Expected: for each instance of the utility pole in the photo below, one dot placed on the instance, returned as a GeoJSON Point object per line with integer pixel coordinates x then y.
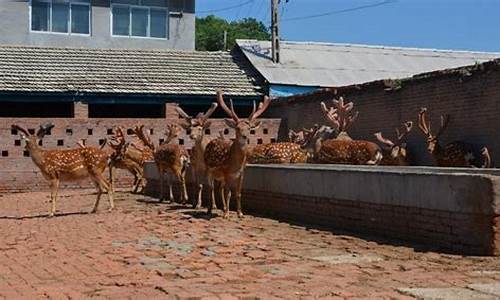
{"type": "Point", "coordinates": [275, 38]}
{"type": "Point", "coordinates": [225, 40]}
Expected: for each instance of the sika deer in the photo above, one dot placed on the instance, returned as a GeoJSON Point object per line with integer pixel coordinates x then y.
{"type": "Point", "coordinates": [226, 160]}
{"type": "Point", "coordinates": [123, 157]}
{"type": "Point", "coordinates": [395, 153]}
{"type": "Point", "coordinates": [175, 158]}
{"type": "Point", "coordinates": [67, 165]}
{"type": "Point", "coordinates": [454, 154]}
{"type": "Point", "coordinates": [196, 127]}
{"type": "Point", "coordinates": [342, 149]}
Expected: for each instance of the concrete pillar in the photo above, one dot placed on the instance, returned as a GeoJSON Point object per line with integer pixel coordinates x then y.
{"type": "Point", "coordinates": [81, 110]}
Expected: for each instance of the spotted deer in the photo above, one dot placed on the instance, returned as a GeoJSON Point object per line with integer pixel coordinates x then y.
{"type": "Point", "coordinates": [454, 154]}
{"type": "Point", "coordinates": [343, 149]}
{"type": "Point", "coordinates": [127, 158]}
{"type": "Point", "coordinates": [277, 153]}
{"type": "Point", "coordinates": [395, 153]}
{"type": "Point", "coordinates": [67, 165]}
{"type": "Point", "coordinates": [226, 160]}
{"type": "Point", "coordinates": [196, 128]}
{"type": "Point", "coordinates": [175, 158]}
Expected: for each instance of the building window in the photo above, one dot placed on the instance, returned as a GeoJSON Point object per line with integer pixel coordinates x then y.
{"type": "Point", "coordinates": [140, 18]}
{"type": "Point", "coordinates": [61, 16]}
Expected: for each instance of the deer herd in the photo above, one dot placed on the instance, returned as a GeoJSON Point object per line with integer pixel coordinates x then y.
{"type": "Point", "coordinates": [222, 160]}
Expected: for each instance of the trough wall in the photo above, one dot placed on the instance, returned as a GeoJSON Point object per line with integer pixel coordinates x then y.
{"type": "Point", "coordinates": [456, 212]}
{"type": "Point", "coordinates": [470, 95]}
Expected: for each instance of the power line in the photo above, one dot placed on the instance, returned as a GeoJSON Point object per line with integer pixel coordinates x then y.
{"type": "Point", "coordinates": [226, 8]}
{"type": "Point", "coordinates": [340, 11]}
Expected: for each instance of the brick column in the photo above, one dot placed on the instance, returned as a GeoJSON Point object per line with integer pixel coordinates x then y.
{"type": "Point", "coordinates": [81, 110]}
{"type": "Point", "coordinates": [170, 112]}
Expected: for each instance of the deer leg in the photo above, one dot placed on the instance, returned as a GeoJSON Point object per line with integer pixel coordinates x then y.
{"type": "Point", "coordinates": [199, 186]}
{"type": "Point", "coordinates": [111, 177]}
{"type": "Point", "coordinates": [212, 194]}
{"type": "Point", "coordinates": [224, 203]}
{"type": "Point", "coordinates": [182, 179]}
{"type": "Point", "coordinates": [162, 188]}
{"type": "Point", "coordinates": [108, 187]}
{"type": "Point", "coordinates": [99, 193]}
{"type": "Point", "coordinates": [54, 187]}
{"type": "Point", "coordinates": [239, 184]}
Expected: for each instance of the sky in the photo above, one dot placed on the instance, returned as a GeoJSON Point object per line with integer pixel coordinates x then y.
{"type": "Point", "coordinates": [440, 24]}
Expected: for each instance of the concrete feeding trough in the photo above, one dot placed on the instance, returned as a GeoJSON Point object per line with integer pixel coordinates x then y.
{"type": "Point", "coordinates": [452, 209]}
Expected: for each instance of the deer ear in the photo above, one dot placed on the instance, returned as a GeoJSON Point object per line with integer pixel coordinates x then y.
{"type": "Point", "coordinates": [207, 124]}
{"type": "Point", "coordinates": [395, 151]}
{"type": "Point", "coordinates": [184, 124]}
{"type": "Point", "coordinates": [231, 123]}
{"type": "Point", "coordinates": [256, 124]}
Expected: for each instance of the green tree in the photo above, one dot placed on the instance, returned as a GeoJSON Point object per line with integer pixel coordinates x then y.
{"type": "Point", "coordinates": [210, 32]}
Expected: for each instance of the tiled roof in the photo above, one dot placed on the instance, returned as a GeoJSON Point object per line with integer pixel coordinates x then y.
{"type": "Point", "coordinates": [169, 72]}
{"type": "Point", "coordinates": [336, 65]}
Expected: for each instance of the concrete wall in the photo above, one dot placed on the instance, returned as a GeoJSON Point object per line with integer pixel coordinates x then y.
{"type": "Point", "coordinates": [15, 28]}
{"type": "Point", "coordinates": [455, 212]}
{"type": "Point", "coordinates": [18, 173]}
{"type": "Point", "coordinates": [471, 96]}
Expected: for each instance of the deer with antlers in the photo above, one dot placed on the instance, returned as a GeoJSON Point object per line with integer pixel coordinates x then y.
{"type": "Point", "coordinates": [226, 160]}
{"type": "Point", "coordinates": [454, 154]}
{"type": "Point", "coordinates": [395, 153]}
{"type": "Point", "coordinates": [130, 157]}
{"type": "Point", "coordinates": [196, 128]}
{"type": "Point", "coordinates": [175, 158]}
{"type": "Point", "coordinates": [343, 149]}
{"type": "Point", "coordinates": [67, 165]}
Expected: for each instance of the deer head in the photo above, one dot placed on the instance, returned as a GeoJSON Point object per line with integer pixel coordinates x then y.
{"type": "Point", "coordinates": [243, 126]}
{"type": "Point", "coordinates": [296, 137]}
{"type": "Point", "coordinates": [425, 127]}
{"type": "Point", "coordinates": [31, 139]}
{"type": "Point", "coordinates": [196, 126]}
{"type": "Point", "coordinates": [340, 116]}
{"type": "Point", "coordinates": [398, 148]}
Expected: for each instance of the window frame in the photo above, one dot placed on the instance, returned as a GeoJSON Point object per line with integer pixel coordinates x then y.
{"type": "Point", "coordinates": [70, 18]}
{"type": "Point", "coordinates": [148, 29]}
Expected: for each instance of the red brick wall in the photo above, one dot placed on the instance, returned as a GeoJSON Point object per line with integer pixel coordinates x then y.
{"type": "Point", "coordinates": [18, 173]}
{"type": "Point", "coordinates": [472, 101]}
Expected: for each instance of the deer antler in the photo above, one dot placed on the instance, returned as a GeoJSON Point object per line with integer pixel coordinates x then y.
{"type": "Point", "coordinates": [407, 128]}
{"type": "Point", "coordinates": [346, 119]}
{"type": "Point", "coordinates": [424, 126]}
{"type": "Point", "coordinates": [229, 112]}
{"type": "Point", "coordinates": [383, 140]}
{"type": "Point", "coordinates": [44, 129]}
{"type": "Point", "coordinates": [172, 132]}
{"type": "Point", "coordinates": [340, 115]}
{"type": "Point", "coordinates": [144, 137]}
{"type": "Point", "coordinates": [262, 108]}
{"type": "Point", "coordinates": [210, 111]}
{"type": "Point", "coordinates": [331, 115]}
{"type": "Point", "coordinates": [22, 129]}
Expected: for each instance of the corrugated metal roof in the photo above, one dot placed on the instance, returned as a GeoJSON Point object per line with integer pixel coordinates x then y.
{"type": "Point", "coordinates": [334, 65]}
{"type": "Point", "coordinates": [40, 69]}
